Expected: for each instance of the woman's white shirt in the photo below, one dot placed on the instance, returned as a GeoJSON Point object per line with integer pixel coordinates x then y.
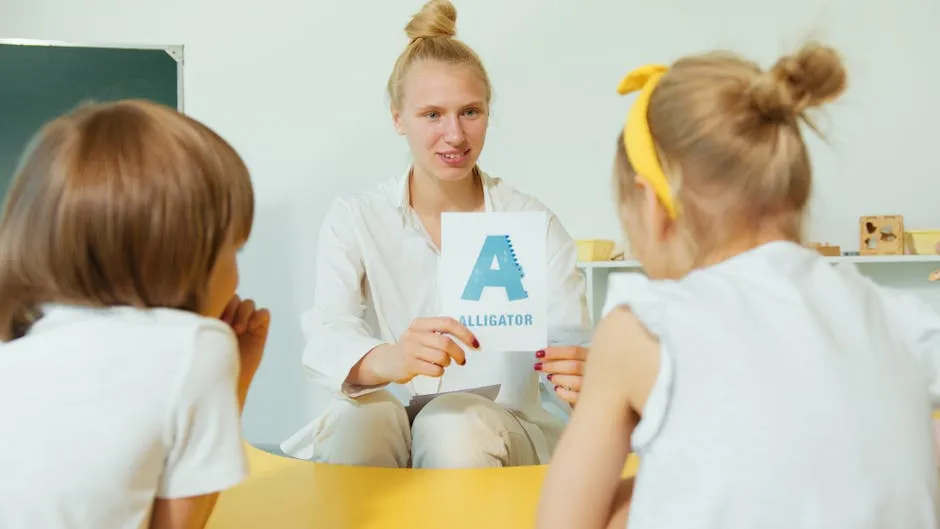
{"type": "Point", "coordinates": [377, 272]}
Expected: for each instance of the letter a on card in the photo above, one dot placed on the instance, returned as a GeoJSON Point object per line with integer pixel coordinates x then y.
{"type": "Point", "coordinates": [496, 266]}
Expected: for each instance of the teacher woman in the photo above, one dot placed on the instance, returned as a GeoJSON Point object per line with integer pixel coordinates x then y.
{"type": "Point", "coordinates": [374, 335]}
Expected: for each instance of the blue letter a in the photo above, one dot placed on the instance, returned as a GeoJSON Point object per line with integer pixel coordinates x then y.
{"type": "Point", "coordinates": [507, 275]}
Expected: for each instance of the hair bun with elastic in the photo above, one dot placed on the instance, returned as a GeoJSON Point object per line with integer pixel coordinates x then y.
{"type": "Point", "coordinates": [810, 78]}
{"type": "Point", "coordinates": [437, 18]}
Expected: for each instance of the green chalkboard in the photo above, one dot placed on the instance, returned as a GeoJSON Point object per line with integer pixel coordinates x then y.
{"type": "Point", "coordinates": [39, 81]}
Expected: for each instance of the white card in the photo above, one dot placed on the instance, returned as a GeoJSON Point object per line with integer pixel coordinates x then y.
{"type": "Point", "coordinates": [493, 277]}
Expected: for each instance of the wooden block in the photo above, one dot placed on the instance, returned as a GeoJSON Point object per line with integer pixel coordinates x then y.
{"type": "Point", "coordinates": [881, 235]}
{"type": "Point", "coordinates": [826, 249]}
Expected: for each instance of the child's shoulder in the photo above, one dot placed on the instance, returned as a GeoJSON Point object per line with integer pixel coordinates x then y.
{"type": "Point", "coordinates": [165, 321]}
{"type": "Point", "coordinates": [646, 298]}
{"type": "Point", "coordinates": [164, 327]}
{"type": "Point", "coordinates": [907, 312]}
{"type": "Point", "coordinates": [156, 332]}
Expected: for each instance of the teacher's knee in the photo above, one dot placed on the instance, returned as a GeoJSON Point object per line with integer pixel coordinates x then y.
{"type": "Point", "coordinates": [459, 430]}
{"type": "Point", "coordinates": [371, 430]}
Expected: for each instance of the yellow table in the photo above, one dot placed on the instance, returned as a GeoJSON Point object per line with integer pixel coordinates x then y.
{"type": "Point", "coordinates": [285, 493]}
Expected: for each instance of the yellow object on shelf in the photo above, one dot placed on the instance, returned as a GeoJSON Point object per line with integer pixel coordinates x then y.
{"type": "Point", "coordinates": [922, 242]}
{"type": "Point", "coordinates": [595, 249]}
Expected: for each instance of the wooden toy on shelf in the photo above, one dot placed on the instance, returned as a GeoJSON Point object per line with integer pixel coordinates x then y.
{"type": "Point", "coordinates": [825, 249]}
{"type": "Point", "coordinates": [881, 235]}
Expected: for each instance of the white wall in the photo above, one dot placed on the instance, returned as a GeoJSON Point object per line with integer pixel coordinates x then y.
{"type": "Point", "coordinates": [297, 87]}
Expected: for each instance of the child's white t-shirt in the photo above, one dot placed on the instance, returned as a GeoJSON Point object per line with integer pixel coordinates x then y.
{"type": "Point", "coordinates": [792, 394]}
{"type": "Point", "coordinates": [102, 410]}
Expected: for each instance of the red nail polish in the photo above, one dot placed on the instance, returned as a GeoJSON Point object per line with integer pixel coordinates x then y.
{"type": "Point", "coordinates": [540, 354]}
{"type": "Point", "coordinates": [538, 366]}
{"type": "Point", "coordinates": [476, 343]}
{"type": "Point", "coordinates": [549, 376]}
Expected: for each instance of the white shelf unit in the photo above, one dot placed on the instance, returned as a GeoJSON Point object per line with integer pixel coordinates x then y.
{"type": "Point", "coordinates": [596, 273]}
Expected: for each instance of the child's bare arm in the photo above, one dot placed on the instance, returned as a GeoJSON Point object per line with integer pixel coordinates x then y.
{"type": "Point", "coordinates": [183, 513]}
{"type": "Point", "coordinates": [586, 469]}
{"type": "Point", "coordinates": [620, 510]}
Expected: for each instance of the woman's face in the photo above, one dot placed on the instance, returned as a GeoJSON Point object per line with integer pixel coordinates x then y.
{"type": "Point", "coordinates": [444, 115]}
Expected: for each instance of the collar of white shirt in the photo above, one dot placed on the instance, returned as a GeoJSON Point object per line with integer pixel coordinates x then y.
{"type": "Point", "coordinates": [400, 194]}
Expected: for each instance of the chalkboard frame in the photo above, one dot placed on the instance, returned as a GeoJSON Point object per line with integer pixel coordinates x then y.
{"type": "Point", "coordinates": [176, 51]}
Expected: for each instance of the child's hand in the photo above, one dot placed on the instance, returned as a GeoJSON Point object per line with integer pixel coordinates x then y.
{"type": "Point", "coordinates": [251, 327]}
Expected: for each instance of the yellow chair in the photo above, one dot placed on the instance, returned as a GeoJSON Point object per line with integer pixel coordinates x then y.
{"type": "Point", "coordinates": [284, 493]}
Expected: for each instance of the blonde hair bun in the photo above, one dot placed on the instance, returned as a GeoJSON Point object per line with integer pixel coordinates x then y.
{"type": "Point", "coordinates": [437, 18]}
{"type": "Point", "coordinates": [813, 76]}
{"type": "Point", "coordinates": [432, 33]}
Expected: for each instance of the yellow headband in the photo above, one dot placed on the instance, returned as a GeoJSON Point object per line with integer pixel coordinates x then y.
{"type": "Point", "coordinates": [637, 139]}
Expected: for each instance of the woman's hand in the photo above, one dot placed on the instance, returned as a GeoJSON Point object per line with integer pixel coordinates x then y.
{"type": "Point", "coordinates": [565, 368]}
{"type": "Point", "coordinates": [424, 349]}
{"type": "Point", "coordinates": [251, 328]}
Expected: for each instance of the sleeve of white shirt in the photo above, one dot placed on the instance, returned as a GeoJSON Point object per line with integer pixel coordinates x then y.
{"type": "Point", "coordinates": [206, 452]}
{"type": "Point", "coordinates": [336, 334]}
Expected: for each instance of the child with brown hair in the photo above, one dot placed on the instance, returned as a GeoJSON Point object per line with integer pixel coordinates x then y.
{"type": "Point", "coordinates": [759, 385]}
{"type": "Point", "coordinates": [125, 355]}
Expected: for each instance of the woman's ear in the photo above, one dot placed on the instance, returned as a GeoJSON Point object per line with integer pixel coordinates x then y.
{"type": "Point", "coordinates": [396, 121]}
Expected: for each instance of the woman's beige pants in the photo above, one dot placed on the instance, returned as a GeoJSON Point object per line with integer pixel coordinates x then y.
{"type": "Point", "coordinates": [456, 430]}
